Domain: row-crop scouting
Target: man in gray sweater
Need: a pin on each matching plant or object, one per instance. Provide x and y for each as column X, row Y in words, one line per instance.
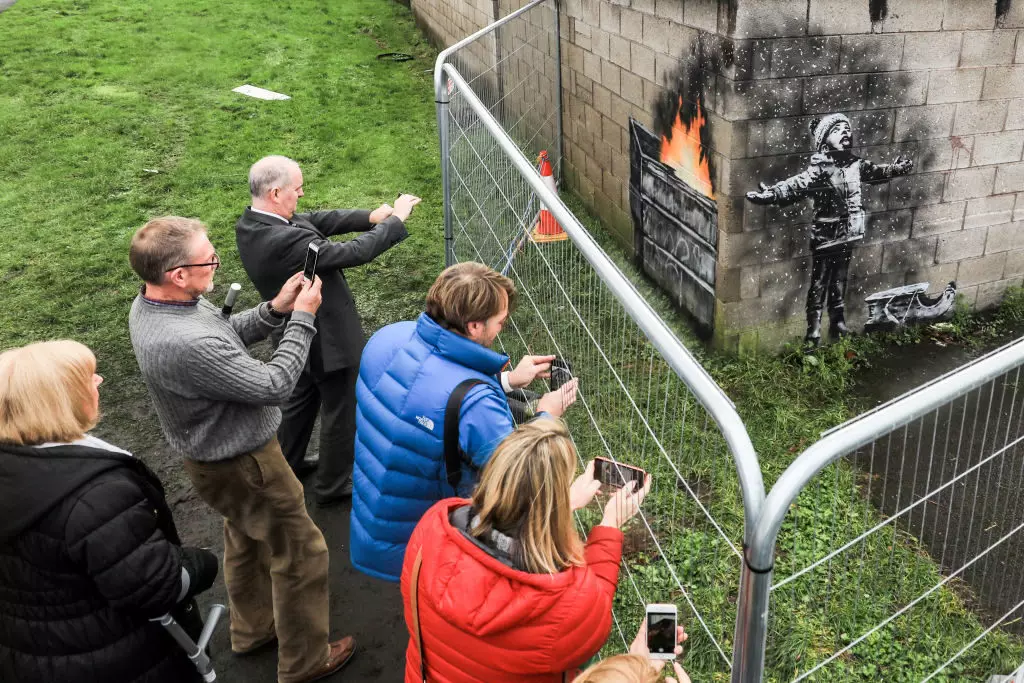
column 218, row 407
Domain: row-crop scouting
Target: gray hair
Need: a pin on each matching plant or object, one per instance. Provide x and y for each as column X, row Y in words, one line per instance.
column 268, row 173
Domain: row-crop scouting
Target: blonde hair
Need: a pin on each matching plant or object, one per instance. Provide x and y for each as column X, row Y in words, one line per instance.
column 620, row 669
column 466, row 293
column 44, row 390
column 161, row 245
column 524, row 493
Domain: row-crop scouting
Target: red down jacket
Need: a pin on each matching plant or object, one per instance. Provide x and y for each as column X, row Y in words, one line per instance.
column 483, row 621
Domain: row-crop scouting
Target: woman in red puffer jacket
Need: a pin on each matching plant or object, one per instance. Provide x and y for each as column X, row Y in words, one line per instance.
column 500, row 587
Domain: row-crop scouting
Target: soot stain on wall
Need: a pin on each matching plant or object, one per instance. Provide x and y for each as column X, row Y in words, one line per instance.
column 1002, row 8
column 879, row 10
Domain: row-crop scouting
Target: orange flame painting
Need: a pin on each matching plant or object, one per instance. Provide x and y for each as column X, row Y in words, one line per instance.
column 683, row 152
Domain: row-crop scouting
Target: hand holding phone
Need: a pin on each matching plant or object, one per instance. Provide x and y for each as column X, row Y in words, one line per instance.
column 617, row 474
column 312, row 254
column 660, row 623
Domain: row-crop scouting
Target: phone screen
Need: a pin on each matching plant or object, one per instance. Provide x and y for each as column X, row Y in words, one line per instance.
column 312, row 252
column 617, row 474
column 561, row 372
column 661, row 632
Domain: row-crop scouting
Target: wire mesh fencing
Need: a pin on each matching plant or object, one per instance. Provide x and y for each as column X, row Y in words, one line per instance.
column 633, row 407
column 903, row 556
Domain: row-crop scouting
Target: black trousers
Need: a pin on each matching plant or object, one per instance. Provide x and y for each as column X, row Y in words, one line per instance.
column 333, row 395
column 829, row 271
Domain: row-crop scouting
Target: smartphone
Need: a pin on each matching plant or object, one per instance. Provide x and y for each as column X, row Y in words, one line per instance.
column 561, row 372
column 617, row 474
column 661, row 630
column 312, row 253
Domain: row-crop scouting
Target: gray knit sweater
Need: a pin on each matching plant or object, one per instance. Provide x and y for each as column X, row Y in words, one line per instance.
column 215, row 401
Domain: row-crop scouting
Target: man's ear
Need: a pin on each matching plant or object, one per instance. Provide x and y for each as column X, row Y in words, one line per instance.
column 474, row 329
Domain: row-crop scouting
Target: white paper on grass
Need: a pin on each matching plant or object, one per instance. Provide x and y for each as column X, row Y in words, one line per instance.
column 259, row 93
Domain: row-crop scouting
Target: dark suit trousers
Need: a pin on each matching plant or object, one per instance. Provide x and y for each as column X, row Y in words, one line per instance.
column 333, row 395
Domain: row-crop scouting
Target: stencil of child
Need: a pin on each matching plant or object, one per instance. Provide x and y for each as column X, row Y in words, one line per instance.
column 833, row 182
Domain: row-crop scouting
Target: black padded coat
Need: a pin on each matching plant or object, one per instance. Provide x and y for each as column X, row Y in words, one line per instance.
column 88, row 554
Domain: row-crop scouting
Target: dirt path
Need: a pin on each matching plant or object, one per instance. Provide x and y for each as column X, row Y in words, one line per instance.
column 963, row 520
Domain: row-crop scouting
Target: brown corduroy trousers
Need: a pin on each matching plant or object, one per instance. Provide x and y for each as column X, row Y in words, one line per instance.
column 275, row 558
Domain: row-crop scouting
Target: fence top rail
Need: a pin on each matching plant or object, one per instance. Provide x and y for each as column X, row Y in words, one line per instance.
column 676, row 355
column 863, row 430
column 440, row 92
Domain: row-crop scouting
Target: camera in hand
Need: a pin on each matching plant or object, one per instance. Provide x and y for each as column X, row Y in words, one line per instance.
column 616, row 474
column 312, row 253
column 561, row 372
column 661, row 631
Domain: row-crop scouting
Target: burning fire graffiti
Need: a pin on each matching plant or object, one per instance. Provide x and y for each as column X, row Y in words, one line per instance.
column 685, row 154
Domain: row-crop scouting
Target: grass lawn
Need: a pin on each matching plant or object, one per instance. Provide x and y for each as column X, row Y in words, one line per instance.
column 114, row 112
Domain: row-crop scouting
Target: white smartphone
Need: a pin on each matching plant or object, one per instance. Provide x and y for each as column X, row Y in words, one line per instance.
column 661, row 630
column 312, row 253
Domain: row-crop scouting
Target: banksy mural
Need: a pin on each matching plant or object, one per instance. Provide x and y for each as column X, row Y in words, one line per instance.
column 835, row 181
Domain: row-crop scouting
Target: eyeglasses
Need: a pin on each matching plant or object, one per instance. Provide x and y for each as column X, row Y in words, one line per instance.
column 215, row 263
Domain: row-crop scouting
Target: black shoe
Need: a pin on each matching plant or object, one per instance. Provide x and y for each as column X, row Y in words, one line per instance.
column 837, row 329
column 813, row 337
column 344, row 495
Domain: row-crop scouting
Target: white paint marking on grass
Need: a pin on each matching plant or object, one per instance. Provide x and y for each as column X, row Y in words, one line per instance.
column 259, row 93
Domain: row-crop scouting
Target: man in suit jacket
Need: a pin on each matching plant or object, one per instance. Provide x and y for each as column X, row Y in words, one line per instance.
column 272, row 243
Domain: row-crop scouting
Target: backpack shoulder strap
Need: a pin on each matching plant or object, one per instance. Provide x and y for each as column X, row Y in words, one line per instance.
column 453, row 455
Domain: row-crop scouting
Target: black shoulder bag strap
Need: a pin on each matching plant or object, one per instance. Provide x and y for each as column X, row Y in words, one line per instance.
column 453, row 455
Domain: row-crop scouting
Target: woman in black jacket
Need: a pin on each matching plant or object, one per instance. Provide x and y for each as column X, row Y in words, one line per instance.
column 88, row 548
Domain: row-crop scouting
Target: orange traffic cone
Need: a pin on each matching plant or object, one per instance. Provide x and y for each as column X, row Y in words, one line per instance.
column 547, row 228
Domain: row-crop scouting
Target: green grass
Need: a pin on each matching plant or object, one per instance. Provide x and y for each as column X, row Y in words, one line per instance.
column 92, row 94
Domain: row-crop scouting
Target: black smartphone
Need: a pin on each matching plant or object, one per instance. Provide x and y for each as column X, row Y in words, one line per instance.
column 561, row 372
column 617, row 474
column 312, row 253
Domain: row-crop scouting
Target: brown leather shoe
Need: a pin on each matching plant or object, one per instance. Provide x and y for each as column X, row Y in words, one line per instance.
column 341, row 652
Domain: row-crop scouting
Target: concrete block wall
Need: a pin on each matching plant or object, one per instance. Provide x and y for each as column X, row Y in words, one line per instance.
column 940, row 81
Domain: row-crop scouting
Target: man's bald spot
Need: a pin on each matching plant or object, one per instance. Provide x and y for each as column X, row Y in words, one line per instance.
column 270, row 172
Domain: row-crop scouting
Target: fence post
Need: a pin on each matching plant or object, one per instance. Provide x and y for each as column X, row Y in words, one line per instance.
column 441, row 99
column 558, row 87
column 751, row 622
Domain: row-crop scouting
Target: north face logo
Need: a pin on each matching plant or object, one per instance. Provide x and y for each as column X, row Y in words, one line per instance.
column 426, row 422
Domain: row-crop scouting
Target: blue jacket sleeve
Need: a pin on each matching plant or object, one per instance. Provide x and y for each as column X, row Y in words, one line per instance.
column 484, row 421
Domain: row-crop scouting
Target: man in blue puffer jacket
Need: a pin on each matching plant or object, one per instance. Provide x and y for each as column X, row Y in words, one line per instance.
column 407, row 372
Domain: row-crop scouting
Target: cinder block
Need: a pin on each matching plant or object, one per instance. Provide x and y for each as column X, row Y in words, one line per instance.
column 632, row 88
column 1014, row 266
column 932, row 50
column 1003, row 82
column 888, row 226
column 1019, row 58
column 991, row 294
column 834, row 93
column 976, row 271
column 872, row 127
column 804, row 56
column 631, row 25
column 937, row 219
column 988, row 48
column 955, row 85
column 979, row 117
column 1015, row 115
column 919, row 123
column 592, row 66
column 910, row 253
column 867, row 259
column 669, row 9
column 771, row 19
column 936, row 276
column 618, row 51
column 837, row 17
column 871, row 53
column 759, row 99
column 986, row 211
column 958, row 14
column 602, row 99
column 1010, row 178
column 969, row 183
column 912, row 15
column 600, row 43
column 998, row 148
column 727, row 284
column 610, row 76
column 750, row 285
column 897, row 89
column 916, row 190
column 1004, row 237
column 646, row 6
column 701, row 14
column 1018, row 210
column 956, row 246
column 609, row 14
column 657, row 33
column 642, row 61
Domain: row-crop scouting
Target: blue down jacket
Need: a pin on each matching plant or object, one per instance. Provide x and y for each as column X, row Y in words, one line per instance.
column 407, row 372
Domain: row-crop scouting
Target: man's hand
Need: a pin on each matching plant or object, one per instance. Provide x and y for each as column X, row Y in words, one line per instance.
column 284, row 302
column 584, row 488
column 529, row 368
column 381, row 213
column 555, row 402
column 404, row 206
column 765, row 196
column 309, row 299
column 639, row 647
